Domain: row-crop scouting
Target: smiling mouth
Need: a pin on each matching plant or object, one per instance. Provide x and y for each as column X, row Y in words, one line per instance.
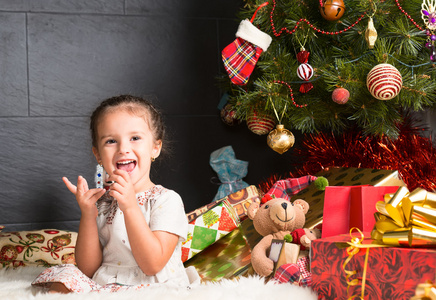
column 127, row 165
column 284, row 221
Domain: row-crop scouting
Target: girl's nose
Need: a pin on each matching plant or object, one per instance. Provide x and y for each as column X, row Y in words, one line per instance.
column 124, row 147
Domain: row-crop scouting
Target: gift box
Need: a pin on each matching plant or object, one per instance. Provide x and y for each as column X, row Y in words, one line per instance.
column 228, row 258
column 338, row 176
column 282, row 252
column 209, row 227
column 391, row 272
column 346, row 207
column 46, row 247
column 240, row 201
column 199, row 211
column 250, row 233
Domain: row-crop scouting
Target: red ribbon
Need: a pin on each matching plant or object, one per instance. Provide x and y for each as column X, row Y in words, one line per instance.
column 303, row 56
column 305, row 87
column 260, row 6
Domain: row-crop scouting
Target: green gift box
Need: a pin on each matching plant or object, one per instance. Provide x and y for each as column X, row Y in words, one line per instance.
column 209, row 227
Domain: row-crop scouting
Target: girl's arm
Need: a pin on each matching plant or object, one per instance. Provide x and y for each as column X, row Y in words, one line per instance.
column 152, row 249
column 88, row 251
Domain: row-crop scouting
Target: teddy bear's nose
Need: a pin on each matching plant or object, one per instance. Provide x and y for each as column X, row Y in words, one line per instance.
column 284, row 205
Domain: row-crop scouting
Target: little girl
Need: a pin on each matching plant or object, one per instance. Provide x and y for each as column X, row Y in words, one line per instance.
column 129, row 236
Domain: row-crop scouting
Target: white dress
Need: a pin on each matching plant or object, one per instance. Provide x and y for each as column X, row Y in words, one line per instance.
column 164, row 211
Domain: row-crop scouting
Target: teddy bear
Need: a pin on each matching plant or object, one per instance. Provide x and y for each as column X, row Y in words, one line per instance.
column 304, row 237
column 275, row 219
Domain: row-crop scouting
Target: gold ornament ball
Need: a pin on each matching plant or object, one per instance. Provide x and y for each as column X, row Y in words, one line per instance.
column 332, row 10
column 280, row 139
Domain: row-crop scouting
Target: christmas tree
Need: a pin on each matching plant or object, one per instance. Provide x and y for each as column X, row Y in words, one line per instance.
column 335, row 64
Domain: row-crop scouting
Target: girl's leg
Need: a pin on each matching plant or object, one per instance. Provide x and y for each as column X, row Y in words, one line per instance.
column 57, row 287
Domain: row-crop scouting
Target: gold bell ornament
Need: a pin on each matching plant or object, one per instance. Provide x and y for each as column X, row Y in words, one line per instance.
column 332, row 10
column 280, row 139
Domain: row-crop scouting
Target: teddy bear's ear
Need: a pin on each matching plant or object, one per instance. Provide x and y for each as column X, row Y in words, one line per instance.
column 252, row 209
column 303, row 205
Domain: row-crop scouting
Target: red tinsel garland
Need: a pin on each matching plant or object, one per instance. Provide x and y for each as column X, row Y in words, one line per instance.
column 412, row 154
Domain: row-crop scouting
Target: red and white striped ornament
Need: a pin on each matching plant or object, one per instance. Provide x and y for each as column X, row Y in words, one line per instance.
column 384, row 82
column 260, row 124
column 305, row 72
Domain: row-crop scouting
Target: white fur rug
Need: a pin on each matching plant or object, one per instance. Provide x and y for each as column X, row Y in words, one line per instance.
column 15, row 285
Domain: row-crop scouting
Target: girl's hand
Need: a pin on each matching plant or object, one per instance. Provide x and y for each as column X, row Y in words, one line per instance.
column 123, row 190
column 85, row 197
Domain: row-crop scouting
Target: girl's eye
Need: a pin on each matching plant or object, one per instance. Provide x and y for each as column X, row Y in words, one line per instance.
column 136, row 138
column 110, row 141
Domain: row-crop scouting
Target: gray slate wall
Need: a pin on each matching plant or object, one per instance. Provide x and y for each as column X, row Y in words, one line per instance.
column 60, row 58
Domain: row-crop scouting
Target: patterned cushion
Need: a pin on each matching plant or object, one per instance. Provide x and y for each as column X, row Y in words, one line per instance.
column 46, row 247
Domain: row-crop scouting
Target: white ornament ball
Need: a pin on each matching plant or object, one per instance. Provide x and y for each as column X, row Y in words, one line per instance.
column 305, row 72
column 384, row 82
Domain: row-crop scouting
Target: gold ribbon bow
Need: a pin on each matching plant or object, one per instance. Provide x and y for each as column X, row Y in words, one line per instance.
column 406, row 218
column 425, row 291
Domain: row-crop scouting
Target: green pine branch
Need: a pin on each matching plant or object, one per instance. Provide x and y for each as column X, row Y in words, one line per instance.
column 339, row 60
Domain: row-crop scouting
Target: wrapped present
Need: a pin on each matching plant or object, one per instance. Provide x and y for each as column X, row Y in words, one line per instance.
column 228, row 258
column 406, row 218
column 199, row 211
column 290, row 265
column 240, row 201
column 250, row 233
column 346, row 207
column 341, row 269
column 46, row 247
column 230, row 171
column 208, row 228
column 282, row 252
column 338, row 176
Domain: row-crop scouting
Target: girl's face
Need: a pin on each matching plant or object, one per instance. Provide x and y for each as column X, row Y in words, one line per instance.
column 126, row 142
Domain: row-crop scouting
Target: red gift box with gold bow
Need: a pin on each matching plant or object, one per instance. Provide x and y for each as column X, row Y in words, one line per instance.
column 369, row 270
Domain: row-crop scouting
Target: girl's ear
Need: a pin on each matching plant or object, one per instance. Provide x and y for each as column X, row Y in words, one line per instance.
column 156, row 149
column 96, row 154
